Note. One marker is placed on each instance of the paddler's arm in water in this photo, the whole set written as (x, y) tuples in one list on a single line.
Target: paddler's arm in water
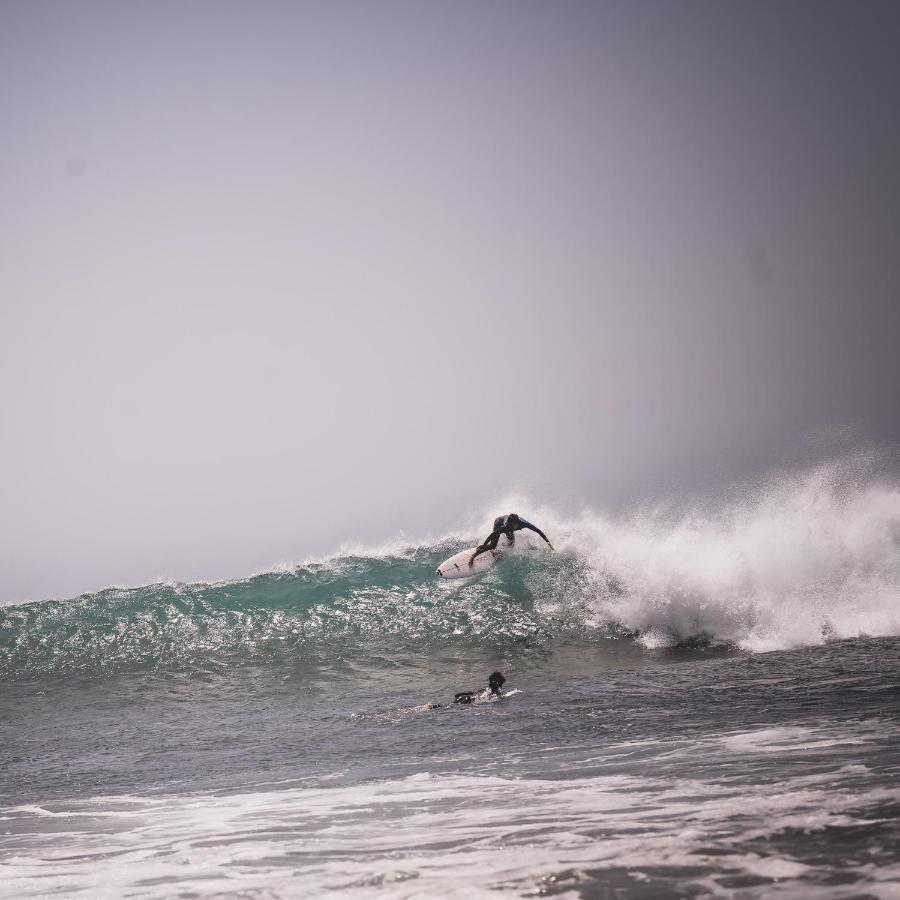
[(538, 530)]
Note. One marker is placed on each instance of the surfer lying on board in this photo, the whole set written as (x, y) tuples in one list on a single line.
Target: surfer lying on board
[(507, 525), (495, 682)]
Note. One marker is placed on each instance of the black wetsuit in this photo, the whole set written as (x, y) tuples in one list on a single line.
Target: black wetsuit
[(495, 685), (461, 697), (502, 526), (466, 696)]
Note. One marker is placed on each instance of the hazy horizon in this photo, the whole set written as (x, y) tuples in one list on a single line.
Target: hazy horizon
[(281, 276)]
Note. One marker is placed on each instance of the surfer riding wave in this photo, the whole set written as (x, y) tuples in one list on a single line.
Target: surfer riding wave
[(506, 525)]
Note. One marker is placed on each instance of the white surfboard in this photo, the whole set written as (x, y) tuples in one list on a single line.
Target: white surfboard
[(458, 566)]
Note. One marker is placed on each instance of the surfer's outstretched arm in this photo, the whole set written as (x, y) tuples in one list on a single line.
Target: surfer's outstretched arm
[(538, 530)]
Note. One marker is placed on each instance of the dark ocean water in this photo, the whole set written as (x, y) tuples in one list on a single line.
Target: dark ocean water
[(708, 707)]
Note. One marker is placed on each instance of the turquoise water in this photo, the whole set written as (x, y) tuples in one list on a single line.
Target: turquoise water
[(381, 612)]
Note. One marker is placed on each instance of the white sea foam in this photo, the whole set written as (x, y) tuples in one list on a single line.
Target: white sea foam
[(428, 835), (801, 558)]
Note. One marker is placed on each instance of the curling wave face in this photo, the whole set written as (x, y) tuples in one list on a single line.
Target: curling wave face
[(349, 606), (798, 560)]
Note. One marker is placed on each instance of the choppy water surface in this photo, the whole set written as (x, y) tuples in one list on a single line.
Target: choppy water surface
[(706, 706), (680, 776)]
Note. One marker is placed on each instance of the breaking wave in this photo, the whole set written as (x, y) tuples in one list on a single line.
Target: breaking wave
[(799, 559)]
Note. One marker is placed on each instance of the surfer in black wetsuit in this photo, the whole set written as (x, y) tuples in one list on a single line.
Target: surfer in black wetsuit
[(495, 683), (507, 525)]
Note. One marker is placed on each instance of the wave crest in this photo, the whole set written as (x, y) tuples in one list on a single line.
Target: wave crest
[(797, 560)]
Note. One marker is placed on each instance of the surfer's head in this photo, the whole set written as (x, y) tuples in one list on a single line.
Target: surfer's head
[(513, 519), (495, 682)]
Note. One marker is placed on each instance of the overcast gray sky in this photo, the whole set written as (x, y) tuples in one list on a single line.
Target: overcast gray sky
[(275, 276)]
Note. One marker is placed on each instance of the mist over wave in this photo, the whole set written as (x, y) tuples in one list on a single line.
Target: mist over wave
[(800, 559)]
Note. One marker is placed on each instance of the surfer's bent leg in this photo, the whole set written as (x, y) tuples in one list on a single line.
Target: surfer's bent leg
[(489, 544)]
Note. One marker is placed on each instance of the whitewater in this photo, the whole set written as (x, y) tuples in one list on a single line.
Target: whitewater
[(703, 700)]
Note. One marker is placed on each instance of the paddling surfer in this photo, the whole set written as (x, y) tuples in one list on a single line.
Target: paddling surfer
[(495, 683)]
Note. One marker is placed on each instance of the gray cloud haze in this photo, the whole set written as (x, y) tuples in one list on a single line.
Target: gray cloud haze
[(275, 276)]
